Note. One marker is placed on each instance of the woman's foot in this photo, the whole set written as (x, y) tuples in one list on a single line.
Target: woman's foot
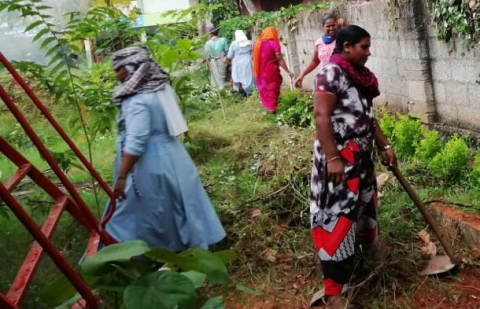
[(336, 302)]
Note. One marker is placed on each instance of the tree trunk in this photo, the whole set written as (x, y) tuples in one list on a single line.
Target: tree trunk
[(250, 6)]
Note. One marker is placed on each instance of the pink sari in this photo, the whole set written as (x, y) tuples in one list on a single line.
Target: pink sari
[(269, 79)]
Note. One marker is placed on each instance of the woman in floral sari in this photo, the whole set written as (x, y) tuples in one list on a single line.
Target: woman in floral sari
[(343, 205), (267, 61)]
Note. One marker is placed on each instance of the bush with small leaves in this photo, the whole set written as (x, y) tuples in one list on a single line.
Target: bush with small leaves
[(475, 174), (452, 162), (386, 120), (430, 145), (406, 133)]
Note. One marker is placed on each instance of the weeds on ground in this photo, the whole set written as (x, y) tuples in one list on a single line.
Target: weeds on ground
[(295, 109)]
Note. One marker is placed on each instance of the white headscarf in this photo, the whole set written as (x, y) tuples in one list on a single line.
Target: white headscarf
[(241, 38)]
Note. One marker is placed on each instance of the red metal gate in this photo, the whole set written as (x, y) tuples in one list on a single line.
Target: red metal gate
[(72, 203)]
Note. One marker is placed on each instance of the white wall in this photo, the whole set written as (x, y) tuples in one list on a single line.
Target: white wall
[(159, 6)]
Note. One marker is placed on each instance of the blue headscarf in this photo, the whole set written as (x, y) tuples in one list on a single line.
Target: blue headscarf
[(327, 39)]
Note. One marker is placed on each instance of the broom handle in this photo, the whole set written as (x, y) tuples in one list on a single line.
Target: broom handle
[(434, 225)]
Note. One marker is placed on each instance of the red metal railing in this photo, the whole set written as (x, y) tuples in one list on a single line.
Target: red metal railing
[(41, 235), (74, 204), (42, 149)]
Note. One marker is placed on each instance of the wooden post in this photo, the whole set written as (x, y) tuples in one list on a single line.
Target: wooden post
[(88, 53), (250, 6)]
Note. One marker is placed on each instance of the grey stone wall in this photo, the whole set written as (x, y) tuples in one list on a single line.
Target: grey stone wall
[(418, 74), (456, 83)]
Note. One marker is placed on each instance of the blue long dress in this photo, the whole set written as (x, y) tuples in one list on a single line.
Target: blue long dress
[(242, 71), (166, 204)]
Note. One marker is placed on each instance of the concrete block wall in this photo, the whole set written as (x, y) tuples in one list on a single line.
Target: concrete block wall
[(393, 55), (456, 82), (418, 74)]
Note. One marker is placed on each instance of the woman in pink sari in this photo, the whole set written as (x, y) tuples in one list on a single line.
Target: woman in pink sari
[(267, 60)]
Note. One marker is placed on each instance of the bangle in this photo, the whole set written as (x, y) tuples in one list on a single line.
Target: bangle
[(333, 159), (384, 148)]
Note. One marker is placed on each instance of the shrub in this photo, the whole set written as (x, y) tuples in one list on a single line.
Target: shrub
[(406, 133), (452, 162), (386, 120), (429, 146), (475, 174), (295, 110)]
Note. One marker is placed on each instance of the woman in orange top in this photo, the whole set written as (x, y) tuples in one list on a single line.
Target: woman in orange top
[(267, 61)]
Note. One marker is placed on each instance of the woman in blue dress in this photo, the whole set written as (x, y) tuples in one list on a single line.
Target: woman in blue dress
[(160, 197)]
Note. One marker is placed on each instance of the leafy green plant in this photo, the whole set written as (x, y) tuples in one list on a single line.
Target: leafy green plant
[(294, 110), (454, 18), (430, 145), (227, 9), (386, 120), (406, 133), (475, 173), (452, 162), (262, 19), (96, 95), (131, 275), (108, 27)]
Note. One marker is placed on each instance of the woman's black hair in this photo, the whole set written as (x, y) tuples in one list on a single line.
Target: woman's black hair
[(351, 34), (326, 17), (213, 30)]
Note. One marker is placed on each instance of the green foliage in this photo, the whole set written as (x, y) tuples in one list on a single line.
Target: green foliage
[(128, 270), (294, 109), (386, 120), (196, 259), (110, 29), (406, 133), (161, 289), (452, 162), (430, 145), (96, 97), (263, 19), (226, 9), (454, 18), (104, 262), (124, 3), (475, 173)]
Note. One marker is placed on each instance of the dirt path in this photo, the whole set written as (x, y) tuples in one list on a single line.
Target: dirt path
[(461, 291)]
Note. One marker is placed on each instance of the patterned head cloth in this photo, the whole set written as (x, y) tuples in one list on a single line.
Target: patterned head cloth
[(144, 75)]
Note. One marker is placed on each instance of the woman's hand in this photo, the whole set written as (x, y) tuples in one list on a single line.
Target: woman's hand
[(336, 171), (291, 74), (299, 82), (388, 157), (119, 189)]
